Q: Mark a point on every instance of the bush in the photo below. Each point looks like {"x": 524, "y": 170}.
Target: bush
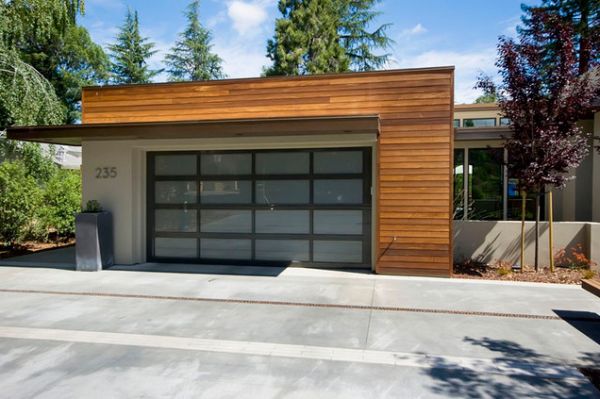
{"x": 19, "y": 198}
{"x": 61, "y": 201}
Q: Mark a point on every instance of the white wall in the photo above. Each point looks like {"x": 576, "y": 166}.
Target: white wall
{"x": 492, "y": 241}
{"x": 125, "y": 194}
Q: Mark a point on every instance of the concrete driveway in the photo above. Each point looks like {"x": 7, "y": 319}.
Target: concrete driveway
{"x": 293, "y": 333}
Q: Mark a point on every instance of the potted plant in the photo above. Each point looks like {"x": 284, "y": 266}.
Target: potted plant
{"x": 94, "y": 238}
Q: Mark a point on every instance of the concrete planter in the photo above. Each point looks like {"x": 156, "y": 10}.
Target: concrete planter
{"x": 94, "y": 235}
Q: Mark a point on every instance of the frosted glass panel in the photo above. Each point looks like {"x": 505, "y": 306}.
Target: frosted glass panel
{"x": 172, "y": 165}
{"x": 338, "y": 222}
{"x": 226, "y": 192}
{"x": 175, "y": 192}
{"x": 175, "y": 247}
{"x": 226, "y": 164}
{"x": 282, "y": 163}
{"x": 284, "y": 250}
{"x": 226, "y": 249}
{"x": 282, "y": 192}
{"x": 346, "y": 191}
{"x": 175, "y": 220}
{"x": 290, "y": 222}
{"x": 337, "y": 251}
{"x": 338, "y": 161}
{"x": 226, "y": 221}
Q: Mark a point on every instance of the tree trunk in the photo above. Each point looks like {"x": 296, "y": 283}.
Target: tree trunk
{"x": 550, "y": 231}
{"x": 523, "y": 206}
{"x": 537, "y": 231}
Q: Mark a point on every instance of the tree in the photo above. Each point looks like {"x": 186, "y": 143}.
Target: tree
{"x": 131, "y": 52}
{"x": 26, "y": 97}
{"x": 191, "y": 57}
{"x": 306, "y": 39}
{"x": 544, "y": 105}
{"x": 319, "y": 36}
{"x": 61, "y": 200}
{"x": 584, "y": 18}
{"x": 489, "y": 98}
{"x": 19, "y": 197}
{"x": 358, "y": 41}
{"x": 46, "y": 36}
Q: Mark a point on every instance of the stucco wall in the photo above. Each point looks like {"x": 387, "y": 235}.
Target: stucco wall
{"x": 491, "y": 241}
{"x": 125, "y": 195}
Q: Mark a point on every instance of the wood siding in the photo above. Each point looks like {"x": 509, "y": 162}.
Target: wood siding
{"x": 415, "y": 108}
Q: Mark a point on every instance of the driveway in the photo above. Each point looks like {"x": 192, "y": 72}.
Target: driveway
{"x": 289, "y": 333}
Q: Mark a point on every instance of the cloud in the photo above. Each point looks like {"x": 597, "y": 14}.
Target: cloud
{"x": 246, "y": 16}
{"x": 469, "y": 65}
{"x": 415, "y": 30}
{"x": 240, "y": 61}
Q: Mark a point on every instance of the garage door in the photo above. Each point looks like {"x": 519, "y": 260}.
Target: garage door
{"x": 308, "y": 207}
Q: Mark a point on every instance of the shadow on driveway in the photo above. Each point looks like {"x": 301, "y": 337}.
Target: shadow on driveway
{"x": 452, "y": 380}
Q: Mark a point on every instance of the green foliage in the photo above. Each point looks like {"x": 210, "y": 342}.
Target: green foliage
{"x": 191, "y": 57}
{"x": 39, "y": 164}
{"x": 92, "y": 206}
{"x": 131, "y": 52}
{"x": 61, "y": 201}
{"x": 44, "y": 35}
{"x": 319, "y": 36}
{"x": 582, "y": 16}
{"x": 26, "y": 97}
{"x": 36, "y": 21}
{"x": 488, "y": 98}
{"x": 358, "y": 41}
{"x": 306, "y": 39}
{"x": 19, "y": 198}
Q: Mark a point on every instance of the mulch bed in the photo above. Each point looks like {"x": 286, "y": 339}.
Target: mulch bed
{"x": 561, "y": 275}
{"x": 32, "y": 247}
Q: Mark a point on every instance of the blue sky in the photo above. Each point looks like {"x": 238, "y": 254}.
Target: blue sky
{"x": 427, "y": 33}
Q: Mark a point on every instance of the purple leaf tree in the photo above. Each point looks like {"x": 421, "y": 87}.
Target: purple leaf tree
{"x": 544, "y": 99}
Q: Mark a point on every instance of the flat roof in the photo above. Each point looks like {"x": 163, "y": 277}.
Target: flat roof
{"x": 75, "y": 134}
{"x": 278, "y": 77}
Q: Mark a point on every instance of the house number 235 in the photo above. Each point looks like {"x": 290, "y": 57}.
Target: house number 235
{"x": 106, "y": 173}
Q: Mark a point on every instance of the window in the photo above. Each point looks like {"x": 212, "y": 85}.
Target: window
{"x": 459, "y": 183}
{"x": 479, "y": 122}
{"x": 456, "y": 122}
{"x": 505, "y": 122}
{"x": 489, "y": 196}
{"x": 485, "y": 184}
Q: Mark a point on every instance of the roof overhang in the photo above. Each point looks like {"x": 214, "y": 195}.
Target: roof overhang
{"x": 482, "y": 133}
{"x": 75, "y": 134}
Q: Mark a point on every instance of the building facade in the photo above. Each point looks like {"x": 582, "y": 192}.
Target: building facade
{"x": 345, "y": 170}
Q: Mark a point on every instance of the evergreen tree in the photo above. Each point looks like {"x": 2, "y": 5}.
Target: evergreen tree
{"x": 306, "y": 39}
{"x": 318, "y": 36}
{"x": 131, "y": 52}
{"x": 583, "y": 19}
{"x": 358, "y": 41}
{"x": 191, "y": 58}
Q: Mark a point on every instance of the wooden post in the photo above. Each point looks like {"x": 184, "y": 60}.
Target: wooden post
{"x": 523, "y": 207}
{"x": 550, "y": 231}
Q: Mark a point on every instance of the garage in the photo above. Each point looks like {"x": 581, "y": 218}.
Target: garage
{"x": 307, "y": 207}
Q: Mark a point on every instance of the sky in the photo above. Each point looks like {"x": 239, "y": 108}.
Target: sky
{"x": 427, "y": 33}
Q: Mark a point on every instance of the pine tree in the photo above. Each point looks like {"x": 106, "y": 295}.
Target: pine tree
{"x": 306, "y": 39}
{"x": 131, "y": 52}
{"x": 583, "y": 17}
{"x": 358, "y": 41}
{"x": 191, "y": 58}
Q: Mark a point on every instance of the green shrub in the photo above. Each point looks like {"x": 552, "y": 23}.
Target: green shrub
{"x": 61, "y": 201}
{"x": 19, "y": 198}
